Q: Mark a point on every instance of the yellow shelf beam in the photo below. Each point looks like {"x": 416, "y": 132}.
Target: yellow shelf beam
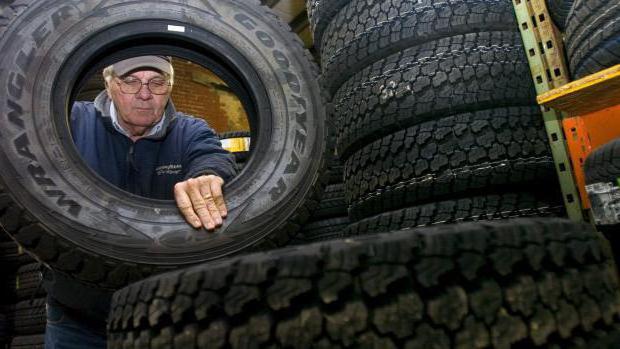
{"x": 594, "y": 92}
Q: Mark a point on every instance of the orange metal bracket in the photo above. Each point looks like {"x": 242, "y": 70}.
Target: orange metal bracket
{"x": 593, "y": 107}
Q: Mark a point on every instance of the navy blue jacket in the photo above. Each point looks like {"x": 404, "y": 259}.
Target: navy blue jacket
{"x": 185, "y": 147}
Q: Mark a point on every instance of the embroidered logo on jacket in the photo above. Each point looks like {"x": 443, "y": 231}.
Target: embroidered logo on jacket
{"x": 172, "y": 169}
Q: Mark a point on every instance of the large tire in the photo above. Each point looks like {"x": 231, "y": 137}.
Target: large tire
{"x": 320, "y": 13}
{"x": 603, "y": 164}
{"x": 11, "y": 256}
{"x": 443, "y": 77}
{"x": 29, "y": 317}
{"x": 332, "y": 203}
{"x": 366, "y": 31}
{"x": 495, "y": 149}
{"x": 527, "y": 283}
{"x": 559, "y": 9}
{"x": 593, "y": 36}
{"x": 320, "y": 230}
{"x": 81, "y": 225}
{"x": 483, "y": 207}
{"x": 35, "y": 341}
{"x": 29, "y": 281}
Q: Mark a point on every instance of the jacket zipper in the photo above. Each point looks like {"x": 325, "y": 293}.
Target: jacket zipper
{"x": 130, "y": 156}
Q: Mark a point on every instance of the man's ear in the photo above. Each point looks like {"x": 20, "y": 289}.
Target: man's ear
{"x": 107, "y": 88}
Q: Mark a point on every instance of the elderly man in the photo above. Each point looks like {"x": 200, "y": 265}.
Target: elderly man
{"x": 133, "y": 138}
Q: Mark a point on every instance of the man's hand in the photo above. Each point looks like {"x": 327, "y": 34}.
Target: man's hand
{"x": 201, "y": 202}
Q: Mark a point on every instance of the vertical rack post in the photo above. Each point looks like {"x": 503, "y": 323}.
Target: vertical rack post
{"x": 544, "y": 51}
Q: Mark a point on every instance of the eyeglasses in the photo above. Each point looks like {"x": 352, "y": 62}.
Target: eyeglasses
{"x": 157, "y": 86}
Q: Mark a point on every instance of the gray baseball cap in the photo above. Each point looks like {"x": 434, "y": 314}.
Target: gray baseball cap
{"x": 160, "y": 63}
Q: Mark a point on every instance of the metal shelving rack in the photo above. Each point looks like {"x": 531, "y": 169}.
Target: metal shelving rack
{"x": 580, "y": 115}
{"x": 544, "y": 50}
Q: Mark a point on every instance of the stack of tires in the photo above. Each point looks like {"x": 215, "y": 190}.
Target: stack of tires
{"x": 330, "y": 219}
{"x": 437, "y": 120}
{"x": 22, "y": 309}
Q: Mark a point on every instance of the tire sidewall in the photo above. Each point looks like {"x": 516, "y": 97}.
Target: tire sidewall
{"x": 47, "y": 177}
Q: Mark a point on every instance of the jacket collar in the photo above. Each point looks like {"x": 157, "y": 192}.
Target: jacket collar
{"x": 102, "y": 104}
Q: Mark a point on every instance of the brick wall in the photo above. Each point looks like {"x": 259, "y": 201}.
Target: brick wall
{"x": 199, "y": 92}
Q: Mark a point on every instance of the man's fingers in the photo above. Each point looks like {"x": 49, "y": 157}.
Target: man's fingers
{"x": 201, "y": 201}
{"x": 200, "y": 204}
{"x": 209, "y": 198}
{"x": 218, "y": 196}
{"x": 185, "y": 205}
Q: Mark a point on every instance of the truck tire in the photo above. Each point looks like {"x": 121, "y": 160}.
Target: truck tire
{"x": 603, "y": 164}
{"x": 321, "y": 230}
{"x": 592, "y": 36}
{"x": 457, "y": 74}
{"x": 477, "y": 208}
{"x": 524, "y": 283}
{"x": 84, "y": 227}
{"x": 29, "y": 281}
{"x": 559, "y": 9}
{"x": 320, "y": 13}
{"x": 29, "y": 317}
{"x": 483, "y": 151}
{"x": 11, "y": 256}
{"x": 35, "y": 341}
{"x": 332, "y": 203}
{"x": 366, "y": 31}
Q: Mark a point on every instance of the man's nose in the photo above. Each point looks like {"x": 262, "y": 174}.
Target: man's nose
{"x": 144, "y": 92}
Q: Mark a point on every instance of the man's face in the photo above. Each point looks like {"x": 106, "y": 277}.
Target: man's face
{"x": 138, "y": 111}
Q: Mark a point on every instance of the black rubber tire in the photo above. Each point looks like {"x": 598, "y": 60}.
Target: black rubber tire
{"x": 241, "y": 157}
{"x": 335, "y": 173}
{"x": 439, "y": 78}
{"x": 235, "y": 134}
{"x": 477, "y": 208}
{"x": 335, "y": 168}
{"x": 559, "y": 9}
{"x": 320, "y": 13}
{"x": 8, "y": 9}
{"x": 8, "y": 250}
{"x": 11, "y": 256}
{"x": 28, "y": 342}
{"x": 83, "y": 226}
{"x": 29, "y": 281}
{"x": 603, "y": 164}
{"x": 529, "y": 283}
{"x": 332, "y": 203}
{"x": 593, "y": 36}
{"x": 29, "y": 317}
{"x": 321, "y": 230}
{"x": 495, "y": 149}
{"x": 366, "y": 31}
